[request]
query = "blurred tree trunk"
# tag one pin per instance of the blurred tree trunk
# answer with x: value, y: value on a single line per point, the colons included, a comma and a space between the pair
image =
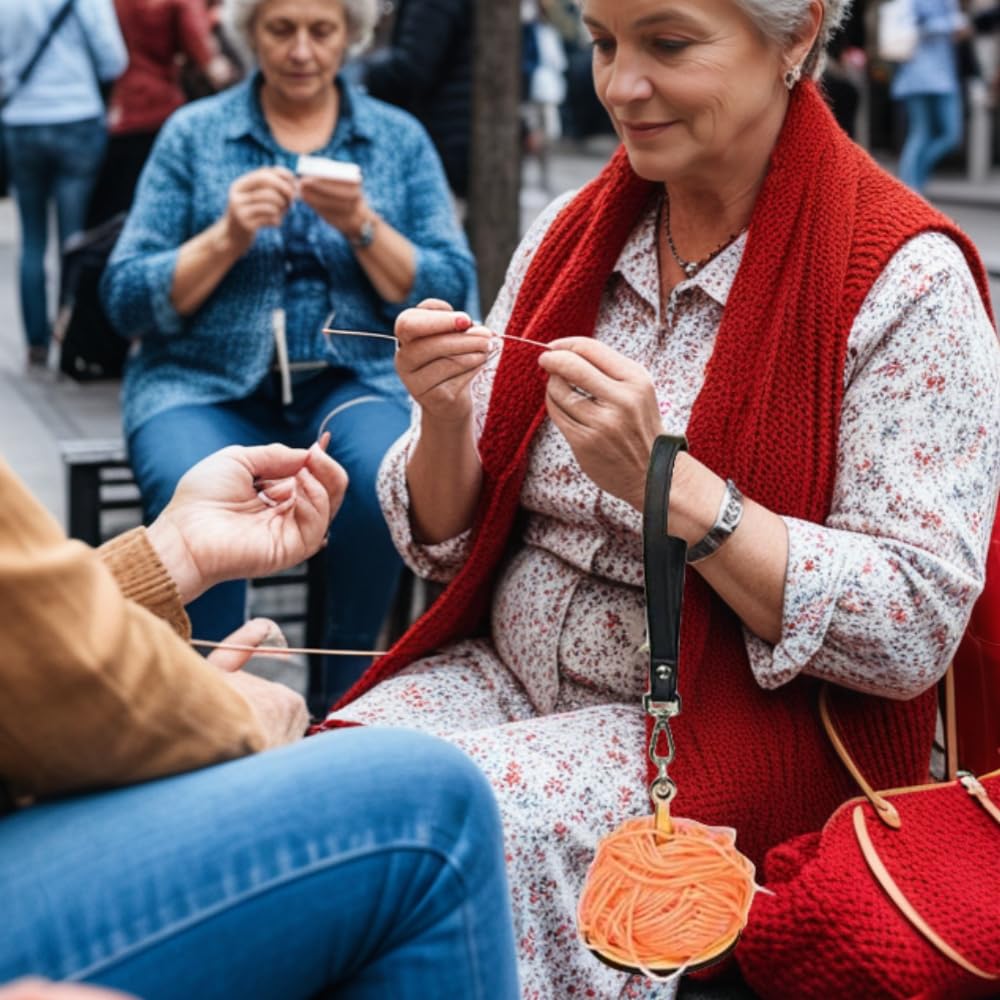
x: 495, y: 168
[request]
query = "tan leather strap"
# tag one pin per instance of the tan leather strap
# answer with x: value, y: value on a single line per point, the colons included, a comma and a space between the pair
x: 887, y: 882
x: 884, y: 809
x: 975, y: 788
x: 950, y: 725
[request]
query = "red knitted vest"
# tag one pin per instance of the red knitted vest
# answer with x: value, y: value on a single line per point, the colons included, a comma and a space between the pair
x: 826, y: 222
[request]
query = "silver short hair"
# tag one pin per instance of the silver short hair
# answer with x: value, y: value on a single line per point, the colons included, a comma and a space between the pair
x: 361, y: 16
x: 781, y: 21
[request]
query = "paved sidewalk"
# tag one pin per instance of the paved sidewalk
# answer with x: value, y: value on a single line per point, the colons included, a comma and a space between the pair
x: 40, y: 409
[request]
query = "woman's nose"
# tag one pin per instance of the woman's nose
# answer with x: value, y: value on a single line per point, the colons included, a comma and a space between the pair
x: 626, y: 83
x: 301, y: 47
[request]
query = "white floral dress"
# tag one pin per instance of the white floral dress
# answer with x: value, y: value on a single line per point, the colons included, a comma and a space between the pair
x: 549, y: 705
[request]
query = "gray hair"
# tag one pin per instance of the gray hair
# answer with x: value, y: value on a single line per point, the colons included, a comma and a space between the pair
x: 361, y: 16
x: 782, y: 21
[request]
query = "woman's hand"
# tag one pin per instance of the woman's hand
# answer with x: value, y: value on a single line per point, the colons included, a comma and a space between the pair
x: 247, y: 512
x: 612, y: 424
x: 281, y: 712
x: 257, y: 199
x: 440, y: 351
x: 340, y: 203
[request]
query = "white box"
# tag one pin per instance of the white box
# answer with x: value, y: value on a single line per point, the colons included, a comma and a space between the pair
x: 323, y: 166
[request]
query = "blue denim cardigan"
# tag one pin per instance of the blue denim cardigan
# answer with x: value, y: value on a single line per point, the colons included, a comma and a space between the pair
x: 224, y: 350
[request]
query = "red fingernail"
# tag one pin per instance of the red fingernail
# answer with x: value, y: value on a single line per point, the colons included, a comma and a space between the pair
x: 462, y: 322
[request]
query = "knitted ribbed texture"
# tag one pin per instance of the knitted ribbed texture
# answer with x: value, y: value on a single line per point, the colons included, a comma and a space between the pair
x: 831, y: 931
x: 144, y: 579
x: 827, y: 221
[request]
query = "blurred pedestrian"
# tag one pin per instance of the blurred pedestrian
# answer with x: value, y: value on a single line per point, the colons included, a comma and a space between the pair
x: 54, y: 128
x: 930, y: 88
x: 427, y: 69
x: 230, y: 266
x: 196, y: 82
x: 543, y: 90
x: 158, y: 35
x: 989, y: 21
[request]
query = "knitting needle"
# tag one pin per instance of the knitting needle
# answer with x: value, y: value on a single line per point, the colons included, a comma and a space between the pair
x: 389, y: 336
x: 281, y: 650
x: 502, y: 336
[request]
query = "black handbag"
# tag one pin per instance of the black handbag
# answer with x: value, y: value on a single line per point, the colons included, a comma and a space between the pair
x: 90, y: 348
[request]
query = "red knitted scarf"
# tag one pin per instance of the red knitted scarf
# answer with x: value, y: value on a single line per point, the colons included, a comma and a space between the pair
x: 826, y: 222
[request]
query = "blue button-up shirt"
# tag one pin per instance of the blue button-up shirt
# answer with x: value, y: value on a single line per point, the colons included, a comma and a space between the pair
x: 933, y: 68
x: 225, y: 349
x: 63, y: 85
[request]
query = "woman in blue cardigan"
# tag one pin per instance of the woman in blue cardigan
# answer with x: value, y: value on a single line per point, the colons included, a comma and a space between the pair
x: 231, y: 265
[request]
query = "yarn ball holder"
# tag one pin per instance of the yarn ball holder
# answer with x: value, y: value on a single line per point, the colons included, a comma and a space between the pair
x: 665, y: 896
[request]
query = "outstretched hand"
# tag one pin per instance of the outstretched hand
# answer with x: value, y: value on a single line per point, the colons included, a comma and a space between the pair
x: 246, y: 512
x: 611, y: 425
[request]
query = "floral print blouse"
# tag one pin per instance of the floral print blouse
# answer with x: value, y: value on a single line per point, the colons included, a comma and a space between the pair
x: 876, y: 598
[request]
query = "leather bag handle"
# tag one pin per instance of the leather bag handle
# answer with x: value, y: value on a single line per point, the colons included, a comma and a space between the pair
x: 664, y: 564
x: 884, y: 809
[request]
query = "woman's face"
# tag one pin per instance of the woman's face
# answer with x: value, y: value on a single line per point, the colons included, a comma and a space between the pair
x: 300, y: 45
x: 692, y: 86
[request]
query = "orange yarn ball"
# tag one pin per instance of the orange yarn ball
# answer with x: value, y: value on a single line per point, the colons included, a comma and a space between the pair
x: 660, y: 903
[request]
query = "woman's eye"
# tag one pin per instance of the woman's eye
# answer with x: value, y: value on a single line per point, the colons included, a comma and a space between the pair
x: 602, y: 45
x: 669, y: 45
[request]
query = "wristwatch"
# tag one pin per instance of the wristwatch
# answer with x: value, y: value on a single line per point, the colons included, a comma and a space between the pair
x: 366, y: 235
x: 726, y: 521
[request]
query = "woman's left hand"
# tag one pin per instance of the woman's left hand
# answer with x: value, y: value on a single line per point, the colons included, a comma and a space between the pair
x: 612, y: 424
x: 340, y: 203
x: 245, y: 512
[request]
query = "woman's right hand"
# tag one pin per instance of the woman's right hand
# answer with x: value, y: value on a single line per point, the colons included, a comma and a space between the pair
x: 259, y: 198
x: 440, y: 351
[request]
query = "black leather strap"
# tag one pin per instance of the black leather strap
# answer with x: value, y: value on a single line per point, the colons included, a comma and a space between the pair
x: 664, y: 563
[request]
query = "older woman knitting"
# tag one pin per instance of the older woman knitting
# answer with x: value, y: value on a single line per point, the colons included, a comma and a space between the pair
x: 742, y: 273
x: 230, y: 266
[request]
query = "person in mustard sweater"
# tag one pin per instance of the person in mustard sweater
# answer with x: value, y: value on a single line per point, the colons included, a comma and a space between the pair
x: 146, y: 845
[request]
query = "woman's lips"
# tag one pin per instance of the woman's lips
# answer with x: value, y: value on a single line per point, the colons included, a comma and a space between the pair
x: 645, y: 130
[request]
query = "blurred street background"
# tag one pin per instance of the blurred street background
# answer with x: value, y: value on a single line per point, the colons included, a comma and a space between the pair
x: 563, y: 143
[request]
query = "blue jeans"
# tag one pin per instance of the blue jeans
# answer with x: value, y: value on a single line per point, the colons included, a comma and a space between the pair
x: 48, y: 163
x: 933, y: 129
x: 363, y: 565
x: 366, y: 863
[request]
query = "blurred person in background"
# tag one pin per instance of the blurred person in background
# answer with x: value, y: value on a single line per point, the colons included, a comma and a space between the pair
x: 54, y: 128
x: 930, y: 88
x: 158, y: 34
x: 194, y: 80
x: 543, y: 89
x: 988, y: 20
x: 230, y: 266
x: 427, y: 69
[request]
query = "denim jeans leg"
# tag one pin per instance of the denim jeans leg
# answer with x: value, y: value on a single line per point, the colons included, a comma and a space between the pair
x: 945, y: 112
x: 361, y: 864
x: 32, y: 177
x: 918, y: 135
x: 160, y: 452
x: 81, y: 148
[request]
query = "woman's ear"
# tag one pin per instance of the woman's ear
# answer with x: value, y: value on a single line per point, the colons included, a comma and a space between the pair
x: 800, y: 49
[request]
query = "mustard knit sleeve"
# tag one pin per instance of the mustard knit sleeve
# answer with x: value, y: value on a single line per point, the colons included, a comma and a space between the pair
x: 97, y: 690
